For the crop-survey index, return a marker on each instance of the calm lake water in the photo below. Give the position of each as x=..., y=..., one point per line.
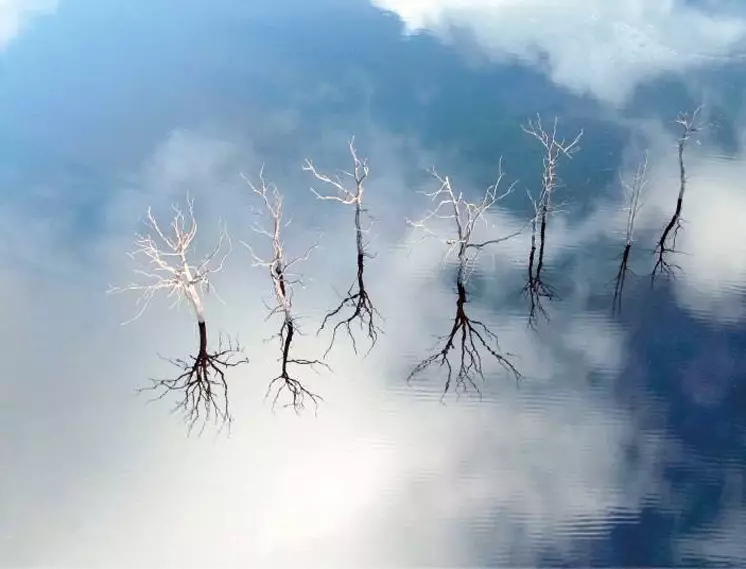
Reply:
x=624, y=441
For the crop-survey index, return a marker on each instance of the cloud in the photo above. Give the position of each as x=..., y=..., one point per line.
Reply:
x=15, y=15
x=385, y=475
x=597, y=47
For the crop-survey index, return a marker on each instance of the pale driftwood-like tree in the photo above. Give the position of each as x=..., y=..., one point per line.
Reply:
x=666, y=246
x=634, y=191
x=467, y=336
x=279, y=268
x=201, y=384
x=356, y=306
x=536, y=288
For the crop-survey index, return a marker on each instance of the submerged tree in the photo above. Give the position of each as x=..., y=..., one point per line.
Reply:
x=467, y=336
x=666, y=245
x=357, y=300
x=536, y=288
x=201, y=383
x=634, y=191
x=283, y=280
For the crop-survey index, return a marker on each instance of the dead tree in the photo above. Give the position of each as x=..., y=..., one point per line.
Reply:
x=666, y=245
x=278, y=267
x=467, y=336
x=357, y=300
x=536, y=288
x=201, y=384
x=634, y=191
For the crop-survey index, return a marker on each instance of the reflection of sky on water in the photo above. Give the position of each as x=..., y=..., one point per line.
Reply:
x=624, y=444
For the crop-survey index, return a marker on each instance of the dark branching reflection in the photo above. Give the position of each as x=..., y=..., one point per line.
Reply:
x=282, y=282
x=536, y=288
x=634, y=191
x=666, y=245
x=357, y=301
x=467, y=337
x=202, y=383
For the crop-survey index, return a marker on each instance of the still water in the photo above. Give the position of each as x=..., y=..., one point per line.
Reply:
x=623, y=443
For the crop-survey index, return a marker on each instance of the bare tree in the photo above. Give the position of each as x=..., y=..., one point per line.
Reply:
x=690, y=125
x=357, y=299
x=201, y=383
x=634, y=191
x=536, y=288
x=283, y=280
x=467, y=335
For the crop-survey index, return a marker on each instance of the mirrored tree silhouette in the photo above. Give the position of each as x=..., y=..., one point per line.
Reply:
x=536, y=288
x=200, y=384
x=468, y=337
x=634, y=190
x=279, y=267
x=666, y=246
x=356, y=305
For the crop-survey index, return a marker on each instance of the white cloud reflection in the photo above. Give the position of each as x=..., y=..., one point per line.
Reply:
x=589, y=46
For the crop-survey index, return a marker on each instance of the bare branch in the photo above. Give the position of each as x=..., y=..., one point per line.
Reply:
x=344, y=194
x=282, y=283
x=536, y=288
x=357, y=298
x=452, y=205
x=666, y=246
x=467, y=335
x=170, y=269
